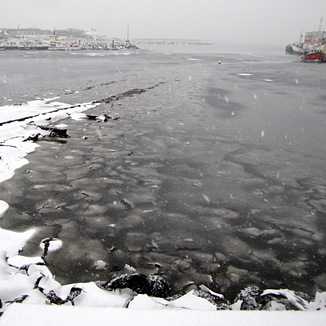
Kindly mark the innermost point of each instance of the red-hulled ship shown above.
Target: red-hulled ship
(315, 56)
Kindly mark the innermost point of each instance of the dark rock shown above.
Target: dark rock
(251, 299)
(54, 299)
(159, 286)
(37, 284)
(91, 116)
(218, 300)
(56, 131)
(18, 300)
(46, 243)
(297, 301)
(127, 204)
(152, 285)
(74, 293)
(33, 137)
(53, 132)
(54, 139)
(106, 117)
(135, 282)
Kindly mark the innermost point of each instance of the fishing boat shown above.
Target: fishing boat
(314, 56)
(313, 48)
(295, 48)
(316, 49)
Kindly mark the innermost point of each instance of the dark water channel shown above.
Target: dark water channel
(214, 174)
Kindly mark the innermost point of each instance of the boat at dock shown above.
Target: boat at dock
(314, 56)
(312, 48)
(295, 48)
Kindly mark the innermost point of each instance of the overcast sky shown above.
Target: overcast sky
(234, 21)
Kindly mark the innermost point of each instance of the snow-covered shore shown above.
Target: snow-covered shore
(27, 280)
(49, 315)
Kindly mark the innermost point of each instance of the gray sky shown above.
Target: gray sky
(233, 21)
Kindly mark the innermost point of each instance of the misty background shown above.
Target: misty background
(273, 22)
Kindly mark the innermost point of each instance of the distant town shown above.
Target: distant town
(73, 39)
(59, 40)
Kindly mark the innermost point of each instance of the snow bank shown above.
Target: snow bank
(28, 281)
(49, 315)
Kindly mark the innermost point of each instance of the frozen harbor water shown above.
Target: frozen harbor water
(207, 173)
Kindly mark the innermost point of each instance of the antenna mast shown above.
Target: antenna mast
(320, 30)
(127, 40)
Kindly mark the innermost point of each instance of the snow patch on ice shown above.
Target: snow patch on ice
(100, 265)
(3, 207)
(51, 244)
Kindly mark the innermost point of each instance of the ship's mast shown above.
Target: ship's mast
(127, 40)
(320, 31)
(301, 38)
